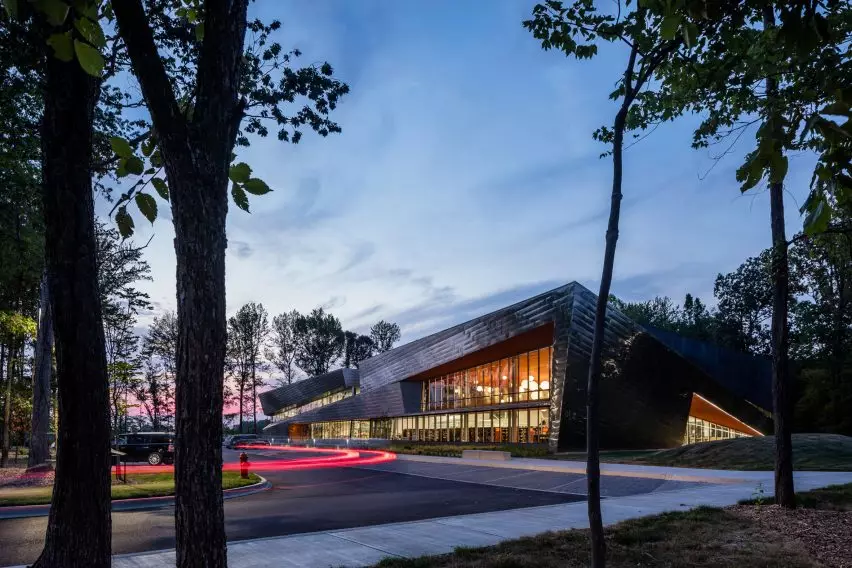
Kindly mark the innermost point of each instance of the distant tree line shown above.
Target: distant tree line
(820, 323)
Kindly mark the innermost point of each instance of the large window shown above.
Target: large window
(323, 400)
(522, 378)
(515, 426)
(698, 430)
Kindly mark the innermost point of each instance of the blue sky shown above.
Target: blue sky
(466, 178)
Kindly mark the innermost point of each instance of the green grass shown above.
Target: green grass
(704, 537)
(811, 452)
(137, 486)
(455, 451)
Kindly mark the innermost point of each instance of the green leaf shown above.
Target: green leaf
(669, 26)
(90, 58)
(778, 167)
(87, 8)
(239, 173)
(124, 222)
(121, 170)
(11, 8)
(55, 10)
(161, 187)
(147, 205)
(240, 197)
(91, 31)
(817, 220)
(63, 46)
(121, 147)
(256, 186)
(689, 32)
(837, 109)
(134, 165)
(199, 32)
(156, 159)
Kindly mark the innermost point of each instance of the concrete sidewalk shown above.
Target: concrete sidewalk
(613, 469)
(365, 546)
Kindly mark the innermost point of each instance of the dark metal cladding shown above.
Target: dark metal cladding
(646, 389)
(304, 391)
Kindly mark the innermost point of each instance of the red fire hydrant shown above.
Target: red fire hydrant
(244, 465)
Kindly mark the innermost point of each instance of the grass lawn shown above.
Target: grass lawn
(745, 535)
(138, 485)
(811, 452)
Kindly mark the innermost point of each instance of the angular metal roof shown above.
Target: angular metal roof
(307, 390)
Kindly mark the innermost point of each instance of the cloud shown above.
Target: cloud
(241, 248)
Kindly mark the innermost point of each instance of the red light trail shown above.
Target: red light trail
(332, 458)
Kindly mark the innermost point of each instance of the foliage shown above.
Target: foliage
(319, 341)
(155, 390)
(356, 348)
(282, 350)
(384, 334)
(247, 332)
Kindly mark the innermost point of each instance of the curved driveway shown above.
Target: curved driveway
(299, 501)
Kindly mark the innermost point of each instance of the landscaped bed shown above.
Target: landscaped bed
(455, 450)
(138, 485)
(819, 533)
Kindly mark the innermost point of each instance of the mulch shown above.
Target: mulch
(19, 477)
(825, 535)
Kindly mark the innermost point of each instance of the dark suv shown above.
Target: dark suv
(153, 447)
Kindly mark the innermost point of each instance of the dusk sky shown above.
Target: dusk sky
(466, 178)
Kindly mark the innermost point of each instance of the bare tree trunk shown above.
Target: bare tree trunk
(79, 524)
(785, 494)
(242, 397)
(7, 406)
(39, 445)
(254, 399)
(197, 154)
(593, 466)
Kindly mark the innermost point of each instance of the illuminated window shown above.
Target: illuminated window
(698, 430)
(524, 377)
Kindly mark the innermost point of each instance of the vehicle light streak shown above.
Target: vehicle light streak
(330, 458)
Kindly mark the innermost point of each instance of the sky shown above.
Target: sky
(466, 178)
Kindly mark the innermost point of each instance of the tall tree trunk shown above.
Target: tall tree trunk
(593, 466)
(7, 405)
(242, 397)
(200, 250)
(79, 524)
(39, 445)
(197, 154)
(781, 400)
(254, 398)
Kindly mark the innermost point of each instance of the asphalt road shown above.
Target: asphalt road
(299, 501)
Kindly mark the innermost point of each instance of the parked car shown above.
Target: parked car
(226, 441)
(153, 447)
(245, 440)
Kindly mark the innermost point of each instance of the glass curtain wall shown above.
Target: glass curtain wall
(325, 399)
(698, 430)
(516, 426)
(521, 378)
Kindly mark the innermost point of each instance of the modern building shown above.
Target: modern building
(518, 375)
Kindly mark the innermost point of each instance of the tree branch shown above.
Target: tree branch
(219, 65)
(148, 67)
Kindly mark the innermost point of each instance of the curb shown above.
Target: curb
(139, 504)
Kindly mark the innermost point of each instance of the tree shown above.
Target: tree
(159, 351)
(319, 340)
(748, 70)
(384, 334)
(247, 332)
(574, 30)
(356, 348)
(15, 329)
(745, 304)
(195, 138)
(282, 351)
(120, 265)
(40, 420)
